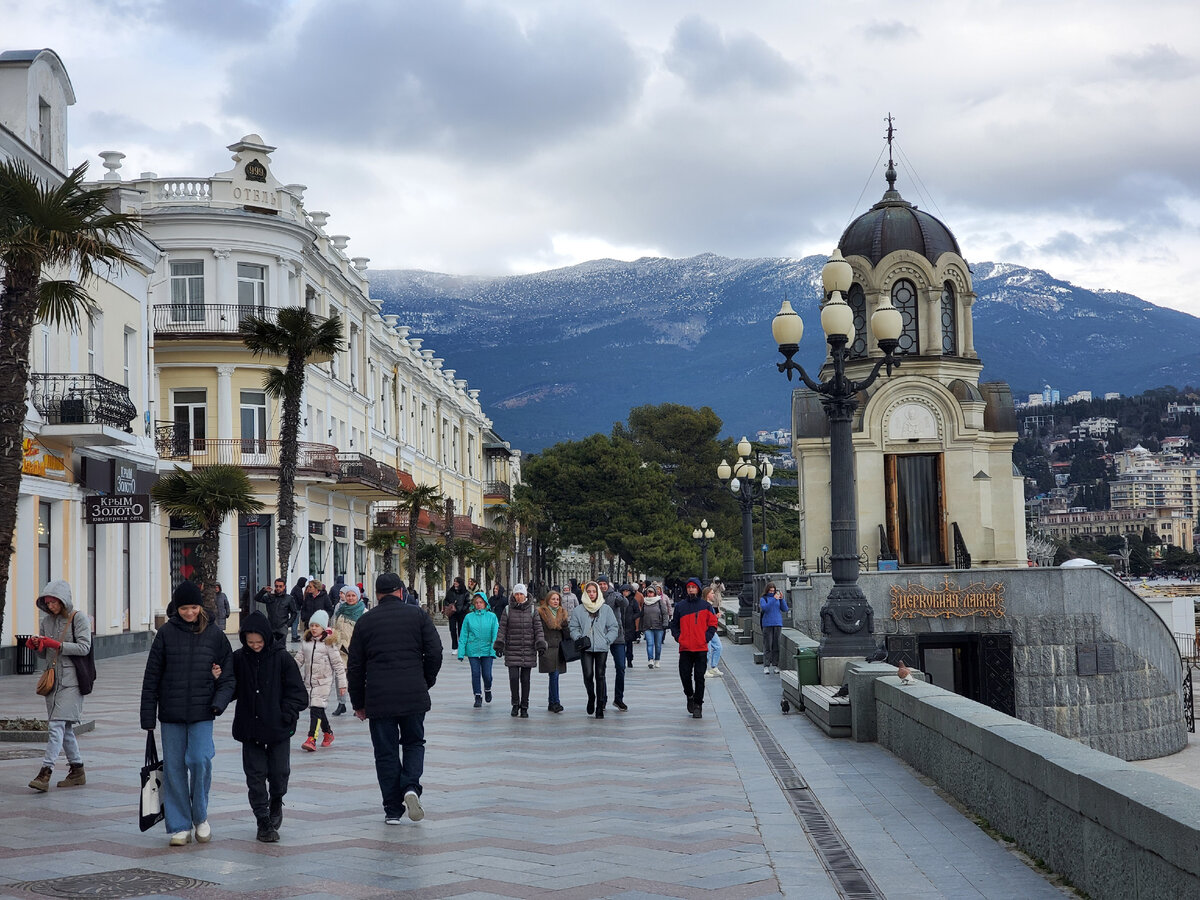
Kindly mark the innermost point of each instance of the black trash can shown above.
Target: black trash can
(26, 662)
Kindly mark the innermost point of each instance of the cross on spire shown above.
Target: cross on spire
(891, 167)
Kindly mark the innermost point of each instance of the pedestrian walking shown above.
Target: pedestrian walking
(280, 608)
(713, 595)
(270, 696)
(771, 607)
(476, 644)
(322, 670)
(315, 598)
(499, 600)
(519, 640)
(619, 605)
(64, 635)
(394, 661)
(632, 620)
(349, 610)
(594, 627)
(221, 603)
(656, 616)
(455, 607)
(692, 625)
(570, 599)
(188, 682)
(555, 630)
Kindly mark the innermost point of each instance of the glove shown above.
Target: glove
(539, 646)
(583, 644)
(34, 642)
(499, 648)
(50, 643)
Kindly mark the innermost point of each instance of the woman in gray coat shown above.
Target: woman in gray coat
(594, 620)
(520, 640)
(64, 632)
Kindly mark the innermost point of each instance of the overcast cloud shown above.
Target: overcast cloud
(491, 136)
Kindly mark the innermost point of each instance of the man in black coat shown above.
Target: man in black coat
(619, 604)
(270, 696)
(279, 607)
(394, 661)
(455, 607)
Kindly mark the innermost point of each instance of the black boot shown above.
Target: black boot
(276, 816)
(478, 700)
(266, 833)
(341, 710)
(698, 709)
(524, 713)
(516, 711)
(691, 704)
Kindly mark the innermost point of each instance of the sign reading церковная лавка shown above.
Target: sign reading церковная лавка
(117, 509)
(977, 599)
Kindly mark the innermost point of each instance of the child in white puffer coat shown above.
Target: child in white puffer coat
(321, 668)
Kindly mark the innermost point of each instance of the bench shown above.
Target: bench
(831, 714)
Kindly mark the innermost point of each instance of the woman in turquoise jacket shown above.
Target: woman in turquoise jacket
(475, 639)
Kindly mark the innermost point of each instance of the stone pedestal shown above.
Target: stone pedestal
(833, 669)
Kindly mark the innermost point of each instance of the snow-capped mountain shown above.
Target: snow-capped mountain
(559, 355)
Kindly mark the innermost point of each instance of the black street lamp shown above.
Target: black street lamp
(846, 618)
(747, 484)
(703, 536)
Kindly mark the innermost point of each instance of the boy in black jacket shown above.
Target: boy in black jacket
(270, 696)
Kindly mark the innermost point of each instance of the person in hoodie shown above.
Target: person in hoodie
(594, 627)
(455, 608)
(620, 606)
(322, 670)
(270, 696)
(188, 682)
(693, 625)
(64, 632)
(476, 644)
(520, 640)
(656, 616)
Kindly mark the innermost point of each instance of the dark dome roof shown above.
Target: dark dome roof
(895, 224)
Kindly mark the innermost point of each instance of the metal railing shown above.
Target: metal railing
(962, 557)
(368, 470)
(74, 399)
(198, 319)
(249, 453)
(497, 489)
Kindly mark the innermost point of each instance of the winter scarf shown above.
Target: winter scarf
(592, 606)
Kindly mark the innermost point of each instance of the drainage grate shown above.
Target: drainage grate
(122, 883)
(849, 877)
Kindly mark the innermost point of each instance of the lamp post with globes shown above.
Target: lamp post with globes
(846, 617)
(747, 482)
(703, 536)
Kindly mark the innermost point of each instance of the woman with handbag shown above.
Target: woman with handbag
(64, 632)
(593, 627)
(554, 627)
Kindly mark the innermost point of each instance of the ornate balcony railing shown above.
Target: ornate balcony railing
(185, 320)
(253, 454)
(363, 469)
(497, 489)
(74, 399)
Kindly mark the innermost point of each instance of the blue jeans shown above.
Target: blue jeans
(553, 698)
(398, 774)
(481, 670)
(714, 652)
(654, 644)
(187, 754)
(618, 655)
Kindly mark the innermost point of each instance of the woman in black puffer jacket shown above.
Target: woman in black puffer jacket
(188, 682)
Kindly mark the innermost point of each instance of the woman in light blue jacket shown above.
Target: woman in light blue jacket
(594, 620)
(771, 607)
(475, 639)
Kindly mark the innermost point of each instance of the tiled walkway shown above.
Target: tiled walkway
(647, 803)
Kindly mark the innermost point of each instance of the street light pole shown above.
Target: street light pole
(741, 478)
(846, 618)
(703, 536)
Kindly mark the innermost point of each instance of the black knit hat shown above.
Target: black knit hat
(187, 594)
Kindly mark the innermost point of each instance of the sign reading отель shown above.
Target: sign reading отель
(977, 599)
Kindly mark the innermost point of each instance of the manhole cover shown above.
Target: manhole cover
(21, 752)
(124, 883)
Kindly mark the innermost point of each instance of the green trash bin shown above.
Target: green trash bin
(807, 670)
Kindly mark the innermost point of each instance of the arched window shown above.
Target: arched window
(949, 321)
(904, 298)
(858, 302)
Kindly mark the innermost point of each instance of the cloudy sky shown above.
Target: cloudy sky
(498, 136)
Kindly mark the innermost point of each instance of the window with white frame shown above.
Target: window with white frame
(251, 285)
(187, 291)
(127, 352)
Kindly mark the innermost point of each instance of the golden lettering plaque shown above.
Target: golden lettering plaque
(949, 600)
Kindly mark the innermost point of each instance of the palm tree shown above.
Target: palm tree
(384, 541)
(414, 501)
(300, 337)
(496, 547)
(203, 498)
(463, 551)
(65, 228)
(432, 559)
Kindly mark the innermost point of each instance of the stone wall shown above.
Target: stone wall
(1115, 830)
(1134, 713)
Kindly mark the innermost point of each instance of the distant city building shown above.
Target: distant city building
(1175, 410)
(1094, 429)
(1034, 400)
(1155, 480)
(1169, 523)
(1080, 397)
(1113, 395)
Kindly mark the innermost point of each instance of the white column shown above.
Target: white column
(225, 402)
(968, 328)
(227, 567)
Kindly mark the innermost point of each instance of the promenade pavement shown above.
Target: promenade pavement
(646, 803)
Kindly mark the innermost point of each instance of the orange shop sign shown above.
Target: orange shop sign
(37, 460)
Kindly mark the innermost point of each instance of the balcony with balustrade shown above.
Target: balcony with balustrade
(83, 409)
(209, 321)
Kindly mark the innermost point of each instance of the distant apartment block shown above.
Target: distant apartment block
(1080, 397)
(1096, 429)
(1170, 524)
(1112, 395)
(1175, 410)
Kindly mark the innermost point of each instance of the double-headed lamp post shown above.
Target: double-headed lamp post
(703, 536)
(743, 477)
(846, 617)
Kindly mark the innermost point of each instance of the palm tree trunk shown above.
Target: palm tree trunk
(16, 326)
(207, 565)
(289, 450)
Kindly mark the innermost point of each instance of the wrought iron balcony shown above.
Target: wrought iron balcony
(200, 320)
(254, 455)
(370, 475)
(500, 489)
(74, 399)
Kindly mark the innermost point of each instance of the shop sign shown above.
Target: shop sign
(114, 510)
(976, 599)
(37, 460)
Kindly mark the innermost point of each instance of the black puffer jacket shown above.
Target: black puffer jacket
(270, 693)
(395, 658)
(178, 685)
(619, 604)
(521, 637)
(313, 602)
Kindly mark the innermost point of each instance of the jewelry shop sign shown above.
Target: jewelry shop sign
(948, 600)
(117, 510)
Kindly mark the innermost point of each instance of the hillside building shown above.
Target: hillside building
(1170, 524)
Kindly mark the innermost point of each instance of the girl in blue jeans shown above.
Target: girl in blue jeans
(475, 639)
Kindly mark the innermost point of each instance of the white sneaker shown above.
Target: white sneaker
(180, 838)
(766, 670)
(391, 820)
(717, 673)
(203, 832)
(413, 804)
(774, 670)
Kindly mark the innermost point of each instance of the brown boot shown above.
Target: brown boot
(74, 777)
(42, 782)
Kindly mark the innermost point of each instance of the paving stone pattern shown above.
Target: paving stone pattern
(646, 803)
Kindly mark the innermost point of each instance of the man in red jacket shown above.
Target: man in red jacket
(693, 626)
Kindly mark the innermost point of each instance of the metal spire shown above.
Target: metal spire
(891, 168)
